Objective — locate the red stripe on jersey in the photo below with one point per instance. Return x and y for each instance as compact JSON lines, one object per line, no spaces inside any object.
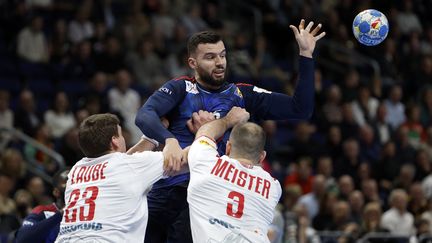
{"x":243,"y":84}
{"x":41,"y":208}
{"x":185,"y":77}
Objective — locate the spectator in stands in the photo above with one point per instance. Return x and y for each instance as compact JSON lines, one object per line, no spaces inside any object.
{"x":356,"y":202}
{"x":405,"y":178}
{"x":416,"y":132}
{"x":365,"y":106}
{"x":13,"y":165}
{"x":145,"y":64}
{"x":417,"y":203}
{"x":6,"y":117}
{"x":43,"y":223}
{"x":350,"y":160}
{"x":369,"y":145}
{"x":428,"y":214}
{"x":112,"y":58}
{"x":32,"y":153}
{"x":397,"y":220}
{"x":381,"y":128}
{"x":426,"y":106}
{"x":371,"y":219}
{"x":332,"y":107}
{"x":24,"y":203}
{"x":59,"y":119}
{"x":346,"y":187}
{"x":36,"y":187}
{"x":350,"y":85}
{"x":302,"y":176}
{"x":323,"y":219}
{"x":333,"y":144}
{"x":81,"y":66}
{"x":422,"y":165}
{"x":349,"y":127}
{"x":341,"y":216}
{"x":388,"y":166}
{"x":81,"y":28}
{"x":311,"y":200}
{"x":325,"y":168}
{"x":7,"y":205}
{"x":407,"y":20}
{"x":32,"y":44}
{"x":26,"y":117}
{"x":292,"y":193}
{"x":126,"y":101}
{"x":395,"y":107}
{"x":405,"y":151}
{"x":59,"y":44}
{"x":369,"y":189}
{"x":69,"y":147}
{"x":192,"y":20}
{"x":96,"y":100}
{"x":303,"y":143}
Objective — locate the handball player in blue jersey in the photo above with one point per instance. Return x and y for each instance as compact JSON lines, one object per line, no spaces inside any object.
{"x":182,"y":98}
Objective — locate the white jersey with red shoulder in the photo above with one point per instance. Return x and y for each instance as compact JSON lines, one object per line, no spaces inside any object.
{"x":106,"y":197}
{"x":228,"y":201}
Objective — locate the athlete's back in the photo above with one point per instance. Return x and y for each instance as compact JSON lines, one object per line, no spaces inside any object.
{"x":228,"y":200}
{"x":106,"y":197}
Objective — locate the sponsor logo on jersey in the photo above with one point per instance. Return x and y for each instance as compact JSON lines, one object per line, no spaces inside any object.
{"x":191,"y":87}
{"x":85,"y":226}
{"x":261,"y":90}
{"x":222,"y":223}
{"x":165,"y":90}
{"x":238,"y":93}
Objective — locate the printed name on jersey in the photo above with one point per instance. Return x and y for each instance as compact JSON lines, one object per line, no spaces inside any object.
{"x":84,"y":226}
{"x":261,"y":90}
{"x":165,"y":90}
{"x":191,"y":87}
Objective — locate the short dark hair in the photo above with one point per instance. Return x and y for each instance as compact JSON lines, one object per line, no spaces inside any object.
{"x":248,"y":141}
{"x":203,"y":37}
{"x":95,"y":134}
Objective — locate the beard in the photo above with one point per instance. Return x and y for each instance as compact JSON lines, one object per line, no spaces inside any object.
{"x":208,"y":79}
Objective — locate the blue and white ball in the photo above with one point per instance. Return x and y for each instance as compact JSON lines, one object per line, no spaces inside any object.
{"x":370,"y":27}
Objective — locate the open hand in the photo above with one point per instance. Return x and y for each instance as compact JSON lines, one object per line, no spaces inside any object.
{"x":306,"y":39}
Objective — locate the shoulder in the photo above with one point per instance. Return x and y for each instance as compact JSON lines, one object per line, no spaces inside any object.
{"x":42,"y":208}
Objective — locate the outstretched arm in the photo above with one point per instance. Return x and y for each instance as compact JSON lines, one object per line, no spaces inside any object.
{"x":276,"y":106}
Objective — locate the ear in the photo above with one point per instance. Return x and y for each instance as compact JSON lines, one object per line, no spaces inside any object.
{"x":192,"y":63}
{"x":228,"y":148}
{"x":114,"y":143}
{"x":262,"y":156}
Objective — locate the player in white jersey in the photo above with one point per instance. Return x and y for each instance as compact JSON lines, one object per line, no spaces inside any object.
{"x":231,"y":198}
{"x":106,"y":192}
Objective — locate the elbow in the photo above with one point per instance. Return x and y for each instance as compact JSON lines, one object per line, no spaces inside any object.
{"x":140,"y":119}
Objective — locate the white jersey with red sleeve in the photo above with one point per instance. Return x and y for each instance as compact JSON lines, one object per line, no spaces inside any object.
{"x":228,"y":201}
{"x":106,"y":197}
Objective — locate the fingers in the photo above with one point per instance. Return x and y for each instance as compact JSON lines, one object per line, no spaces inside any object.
{"x":316,"y":29}
{"x":190,"y":125}
{"x":295,"y":30}
{"x":301,"y":25}
{"x":309,"y":26}
{"x":320,"y":36}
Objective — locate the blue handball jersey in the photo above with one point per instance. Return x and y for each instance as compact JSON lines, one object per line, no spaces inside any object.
{"x":179,"y":98}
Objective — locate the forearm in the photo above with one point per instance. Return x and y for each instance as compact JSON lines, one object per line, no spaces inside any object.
{"x":301,"y":104}
{"x":142,"y":145}
{"x":40,"y":230}
{"x":214,"y":129}
{"x":150,"y":124}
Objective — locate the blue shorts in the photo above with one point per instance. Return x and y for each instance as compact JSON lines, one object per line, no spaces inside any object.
{"x":168,"y":215}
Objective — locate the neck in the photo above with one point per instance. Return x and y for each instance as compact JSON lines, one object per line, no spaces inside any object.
{"x":243,"y":161}
{"x":206,"y":85}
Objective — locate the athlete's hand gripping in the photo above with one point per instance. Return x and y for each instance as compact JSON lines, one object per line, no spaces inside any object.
{"x":236,"y":116}
{"x":198,"y":119}
{"x":173,"y":156}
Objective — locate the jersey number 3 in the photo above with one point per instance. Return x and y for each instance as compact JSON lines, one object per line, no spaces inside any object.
{"x":237,"y":201}
{"x":89,"y":195}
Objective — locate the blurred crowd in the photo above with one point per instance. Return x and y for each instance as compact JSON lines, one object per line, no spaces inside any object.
{"x":361,"y":164}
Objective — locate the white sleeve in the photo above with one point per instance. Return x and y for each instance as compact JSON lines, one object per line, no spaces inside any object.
{"x":203,"y":150}
{"x":148,"y":164}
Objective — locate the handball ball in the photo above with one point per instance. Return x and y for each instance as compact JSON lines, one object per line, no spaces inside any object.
{"x":370,"y":27}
